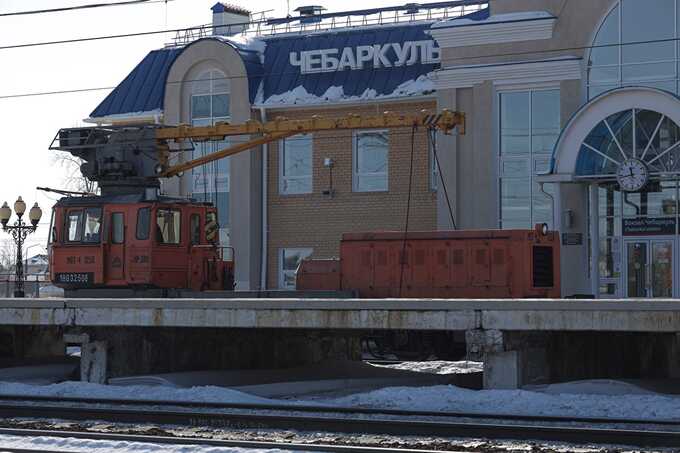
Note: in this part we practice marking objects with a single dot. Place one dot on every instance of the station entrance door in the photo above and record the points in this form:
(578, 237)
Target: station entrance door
(650, 267)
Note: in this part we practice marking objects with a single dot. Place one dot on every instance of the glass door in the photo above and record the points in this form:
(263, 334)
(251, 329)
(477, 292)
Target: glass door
(649, 267)
(662, 268)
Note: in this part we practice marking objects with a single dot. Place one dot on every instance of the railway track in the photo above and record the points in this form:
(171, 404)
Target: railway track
(168, 440)
(315, 408)
(347, 420)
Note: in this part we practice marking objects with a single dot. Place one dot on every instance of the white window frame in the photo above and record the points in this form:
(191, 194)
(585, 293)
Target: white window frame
(532, 157)
(214, 179)
(306, 252)
(282, 165)
(602, 86)
(355, 162)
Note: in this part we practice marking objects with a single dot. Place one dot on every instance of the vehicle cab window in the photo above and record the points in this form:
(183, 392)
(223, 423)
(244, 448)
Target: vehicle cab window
(84, 225)
(117, 228)
(74, 226)
(195, 227)
(143, 221)
(168, 226)
(92, 225)
(52, 238)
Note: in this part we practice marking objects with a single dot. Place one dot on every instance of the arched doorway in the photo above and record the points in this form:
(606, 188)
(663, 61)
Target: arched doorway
(625, 144)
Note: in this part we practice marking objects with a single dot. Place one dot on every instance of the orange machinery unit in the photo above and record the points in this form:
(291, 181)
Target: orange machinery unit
(441, 264)
(124, 241)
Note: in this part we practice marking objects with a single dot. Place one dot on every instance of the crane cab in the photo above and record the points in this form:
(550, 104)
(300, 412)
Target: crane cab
(124, 242)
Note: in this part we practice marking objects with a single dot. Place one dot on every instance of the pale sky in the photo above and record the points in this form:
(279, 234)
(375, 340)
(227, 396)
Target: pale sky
(28, 124)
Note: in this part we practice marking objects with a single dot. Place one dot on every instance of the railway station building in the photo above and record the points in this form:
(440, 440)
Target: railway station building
(572, 115)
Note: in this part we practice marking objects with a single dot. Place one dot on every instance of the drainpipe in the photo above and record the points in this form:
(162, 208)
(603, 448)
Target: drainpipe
(552, 204)
(264, 251)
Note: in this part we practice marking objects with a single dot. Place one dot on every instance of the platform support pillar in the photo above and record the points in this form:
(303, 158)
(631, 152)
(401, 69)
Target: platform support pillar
(93, 361)
(511, 359)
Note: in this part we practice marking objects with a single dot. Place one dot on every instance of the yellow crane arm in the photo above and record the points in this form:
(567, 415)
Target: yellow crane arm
(280, 128)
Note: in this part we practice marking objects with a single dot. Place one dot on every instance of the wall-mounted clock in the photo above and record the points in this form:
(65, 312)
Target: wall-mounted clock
(632, 175)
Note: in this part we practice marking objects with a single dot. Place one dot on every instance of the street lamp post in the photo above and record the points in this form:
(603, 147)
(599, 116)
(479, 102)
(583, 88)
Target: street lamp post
(19, 231)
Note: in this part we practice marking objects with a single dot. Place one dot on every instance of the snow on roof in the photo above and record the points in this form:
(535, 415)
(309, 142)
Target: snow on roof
(334, 94)
(370, 63)
(494, 19)
(220, 7)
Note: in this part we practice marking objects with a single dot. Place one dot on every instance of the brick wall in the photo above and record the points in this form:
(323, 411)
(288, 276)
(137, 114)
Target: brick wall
(316, 220)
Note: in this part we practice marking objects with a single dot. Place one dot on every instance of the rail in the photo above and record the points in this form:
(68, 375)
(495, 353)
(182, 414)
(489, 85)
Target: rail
(408, 13)
(664, 433)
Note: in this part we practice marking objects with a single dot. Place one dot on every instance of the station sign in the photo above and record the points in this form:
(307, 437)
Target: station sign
(388, 55)
(643, 226)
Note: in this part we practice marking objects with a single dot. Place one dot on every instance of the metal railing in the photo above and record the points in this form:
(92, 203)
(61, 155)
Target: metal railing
(350, 19)
(34, 285)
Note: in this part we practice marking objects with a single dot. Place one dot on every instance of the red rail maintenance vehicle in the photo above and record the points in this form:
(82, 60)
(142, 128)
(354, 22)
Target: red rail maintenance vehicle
(472, 264)
(133, 239)
(122, 241)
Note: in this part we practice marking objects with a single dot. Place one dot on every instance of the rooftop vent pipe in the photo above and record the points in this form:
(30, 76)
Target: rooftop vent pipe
(229, 19)
(309, 14)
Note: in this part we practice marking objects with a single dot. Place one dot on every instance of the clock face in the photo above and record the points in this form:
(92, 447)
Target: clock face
(632, 175)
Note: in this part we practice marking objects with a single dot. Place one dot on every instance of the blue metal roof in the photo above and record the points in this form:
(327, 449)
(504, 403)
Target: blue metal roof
(401, 54)
(143, 90)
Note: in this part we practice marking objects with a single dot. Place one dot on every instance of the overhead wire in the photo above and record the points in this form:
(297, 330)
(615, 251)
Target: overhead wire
(433, 142)
(404, 259)
(79, 7)
(284, 73)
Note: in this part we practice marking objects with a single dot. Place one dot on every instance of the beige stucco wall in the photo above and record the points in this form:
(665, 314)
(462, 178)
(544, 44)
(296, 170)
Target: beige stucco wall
(245, 175)
(577, 23)
(470, 162)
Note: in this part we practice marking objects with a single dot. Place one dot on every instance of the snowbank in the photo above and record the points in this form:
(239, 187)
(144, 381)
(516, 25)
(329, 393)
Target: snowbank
(95, 446)
(592, 387)
(141, 392)
(611, 399)
(521, 402)
(438, 367)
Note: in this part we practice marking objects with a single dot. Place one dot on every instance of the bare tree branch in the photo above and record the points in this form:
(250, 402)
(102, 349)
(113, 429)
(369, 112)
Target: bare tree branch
(73, 179)
(8, 255)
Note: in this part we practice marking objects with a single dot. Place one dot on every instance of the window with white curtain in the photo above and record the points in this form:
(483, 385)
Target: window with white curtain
(529, 127)
(295, 164)
(371, 157)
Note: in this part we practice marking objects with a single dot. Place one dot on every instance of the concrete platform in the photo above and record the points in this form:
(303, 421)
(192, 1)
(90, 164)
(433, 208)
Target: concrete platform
(520, 341)
(626, 315)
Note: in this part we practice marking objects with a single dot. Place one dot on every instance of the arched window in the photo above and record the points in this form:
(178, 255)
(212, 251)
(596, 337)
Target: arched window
(210, 182)
(636, 45)
(640, 134)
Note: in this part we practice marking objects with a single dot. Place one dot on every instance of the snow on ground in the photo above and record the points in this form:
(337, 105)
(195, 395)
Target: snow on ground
(592, 387)
(73, 445)
(438, 367)
(140, 392)
(596, 398)
(521, 402)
